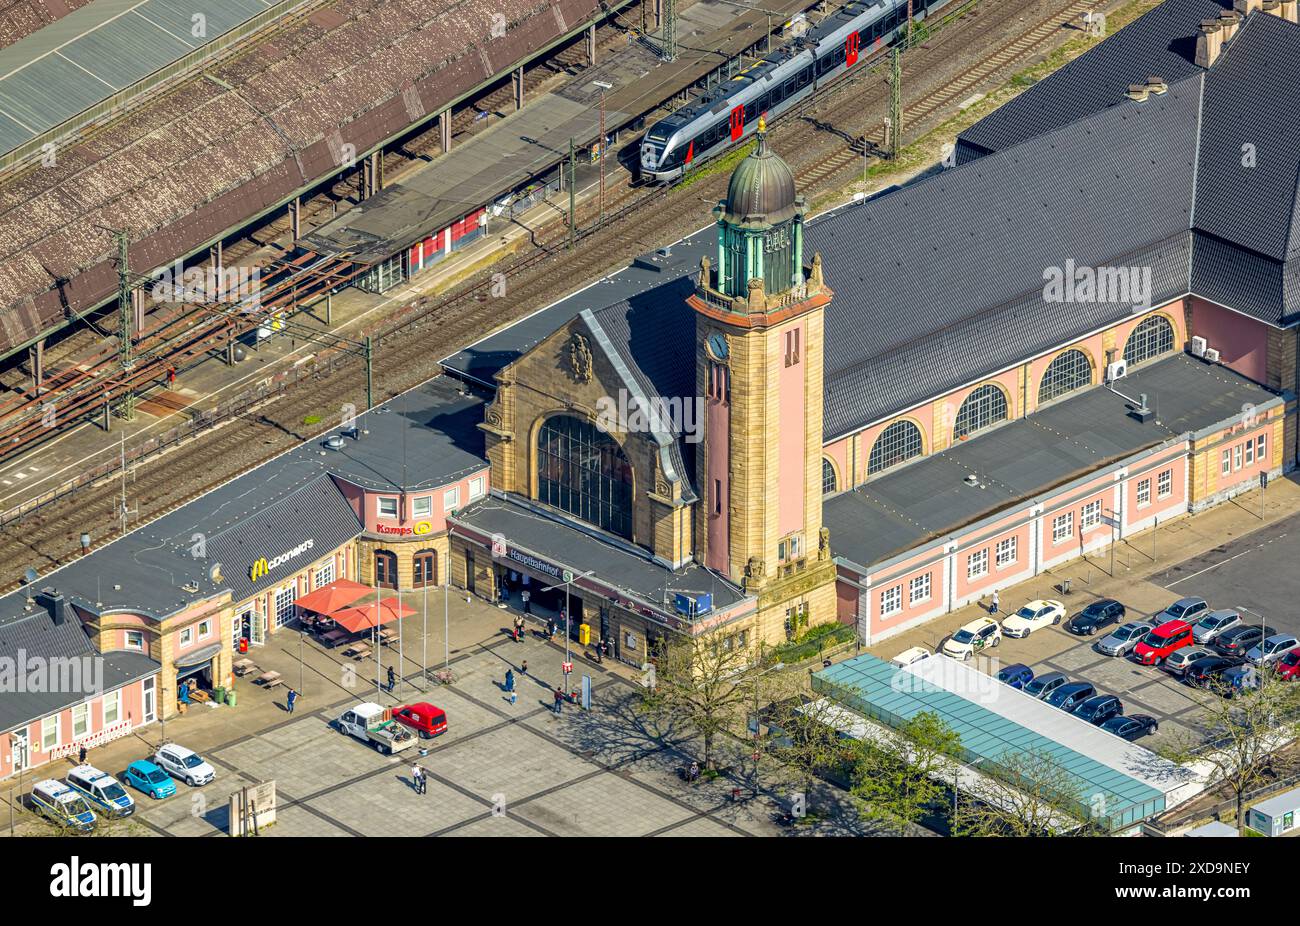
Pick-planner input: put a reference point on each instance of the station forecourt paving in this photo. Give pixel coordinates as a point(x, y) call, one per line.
point(500, 770)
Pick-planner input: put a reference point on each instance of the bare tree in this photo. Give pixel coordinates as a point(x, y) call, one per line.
point(805, 728)
point(1029, 793)
point(703, 682)
point(1246, 728)
point(901, 775)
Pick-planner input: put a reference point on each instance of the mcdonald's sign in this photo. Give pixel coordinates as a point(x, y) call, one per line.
point(262, 566)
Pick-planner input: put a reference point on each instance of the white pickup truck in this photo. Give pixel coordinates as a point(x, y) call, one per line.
point(371, 723)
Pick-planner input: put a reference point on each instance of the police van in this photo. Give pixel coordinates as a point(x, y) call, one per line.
point(64, 806)
point(101, 790)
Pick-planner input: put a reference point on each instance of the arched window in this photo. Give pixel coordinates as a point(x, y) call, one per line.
point(1070, 370)
point(898, 442)
point(425, 568)
point(386, 569)
point(1155, 336)
point(984, 407)
point(582, 470)
point(828, 477)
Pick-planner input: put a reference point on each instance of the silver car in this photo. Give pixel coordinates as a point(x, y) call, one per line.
point(1271, 649)
point(1179, 660)
point(1215, 623)
point(1121, 640)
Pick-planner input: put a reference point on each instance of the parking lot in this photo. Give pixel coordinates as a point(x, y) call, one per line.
point(1255, 570)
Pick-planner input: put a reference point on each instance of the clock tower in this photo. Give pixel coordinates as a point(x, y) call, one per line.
point(759, 333)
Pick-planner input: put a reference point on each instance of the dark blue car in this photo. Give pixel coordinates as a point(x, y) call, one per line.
point(1017, 675)
point(1070, 696)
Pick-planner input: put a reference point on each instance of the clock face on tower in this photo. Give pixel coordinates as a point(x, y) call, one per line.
point(717, 345)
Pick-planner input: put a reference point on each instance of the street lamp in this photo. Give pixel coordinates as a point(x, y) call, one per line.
point(568, 608)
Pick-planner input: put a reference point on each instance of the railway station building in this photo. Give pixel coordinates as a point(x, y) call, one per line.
point(872, 416)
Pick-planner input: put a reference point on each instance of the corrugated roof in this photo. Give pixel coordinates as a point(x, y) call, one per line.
point(1117, 781)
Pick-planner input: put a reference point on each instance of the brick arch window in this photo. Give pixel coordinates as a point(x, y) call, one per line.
point(582, 470)
point(828, 477)
point(386, 569)
point(1155, 336)
point(898, 442)
point(984, 407)
point(1070, 370)
point(424, 568)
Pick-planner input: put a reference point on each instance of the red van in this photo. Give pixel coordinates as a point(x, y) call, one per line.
point(423, 718)
point(1156, 646)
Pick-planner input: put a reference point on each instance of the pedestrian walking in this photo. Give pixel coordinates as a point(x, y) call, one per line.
point(291, 699)
point(510, 680)
point(171, 377)
point(559, 701)
point(527, 596)
point(392, 679)
point(993, 608)
point(81, 756)
point(523, 669)
point(417, 776)
point(513, 695)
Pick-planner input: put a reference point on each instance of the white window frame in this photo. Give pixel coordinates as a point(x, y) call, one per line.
point(476, 490)
point(1143, 492)
point(422, 506)
point(1227, 461)
point(1250, 453)
point(1062, 527)
point(1090, 515)
point(46, 745)
point(1236, 458)
point(1261, 448)
point(1165, 483)
point(112, 705)
point(187, 636)
point(451, 499)
point(380, 504)
point(81, 710)
point(977, 563)
point(324, 569)
point(891, 600)
point(283, 615)
point(1007, 552)
point(134, 639)
point(918, 588)
point(205, 628)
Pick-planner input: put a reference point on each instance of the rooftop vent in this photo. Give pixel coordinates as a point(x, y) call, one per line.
point(1143, 412)
point(1157, 85)
point(335, 442)
point(1138, 92)
point(972, 479)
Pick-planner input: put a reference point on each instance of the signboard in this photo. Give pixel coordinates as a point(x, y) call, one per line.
point(692, 605)
point(1109, 521)
point(252, 808)
point(498, 545)
point(586, 692)
point(262, 566)
point(533, 562)
point(419, 528)
point(1263, 480)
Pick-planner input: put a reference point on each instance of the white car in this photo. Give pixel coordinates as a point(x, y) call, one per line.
point(978, 634)
point(185, 764)
point(909, 656)
point(1036, 614)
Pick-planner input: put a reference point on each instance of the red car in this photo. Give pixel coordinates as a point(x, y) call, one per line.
point(423, 718)
point(1288, 667)
point(1156, 646)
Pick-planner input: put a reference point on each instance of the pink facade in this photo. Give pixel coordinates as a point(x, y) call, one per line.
point(99, 720)
point(1242, 341)
point(414, 513)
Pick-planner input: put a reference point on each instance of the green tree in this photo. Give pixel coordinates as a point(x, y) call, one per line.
point(1028, 793)
point(806, 736)
point(900, 776)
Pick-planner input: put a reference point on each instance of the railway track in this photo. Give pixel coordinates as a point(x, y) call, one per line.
point(48, 536)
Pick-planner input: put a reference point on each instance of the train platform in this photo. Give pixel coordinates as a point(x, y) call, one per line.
point(529, 143)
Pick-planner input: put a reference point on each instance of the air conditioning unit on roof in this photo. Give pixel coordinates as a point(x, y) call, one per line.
point(1211, 355)
point(1198, 346)
point(1116, 370)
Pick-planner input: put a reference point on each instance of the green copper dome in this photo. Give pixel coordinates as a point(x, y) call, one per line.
point(762, 190)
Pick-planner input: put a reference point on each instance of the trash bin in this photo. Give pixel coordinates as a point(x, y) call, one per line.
point(230, 697)
point(1065, 586)
point(219, 695)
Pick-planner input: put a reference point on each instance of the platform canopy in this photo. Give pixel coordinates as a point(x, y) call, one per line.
point(333, 597)
point(367, 616)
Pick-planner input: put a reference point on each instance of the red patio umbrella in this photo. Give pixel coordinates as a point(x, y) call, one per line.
point(329, 598)
point(366, 616)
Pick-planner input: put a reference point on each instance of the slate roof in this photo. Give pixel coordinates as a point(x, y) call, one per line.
point(275, 507)
point(1029, 456)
